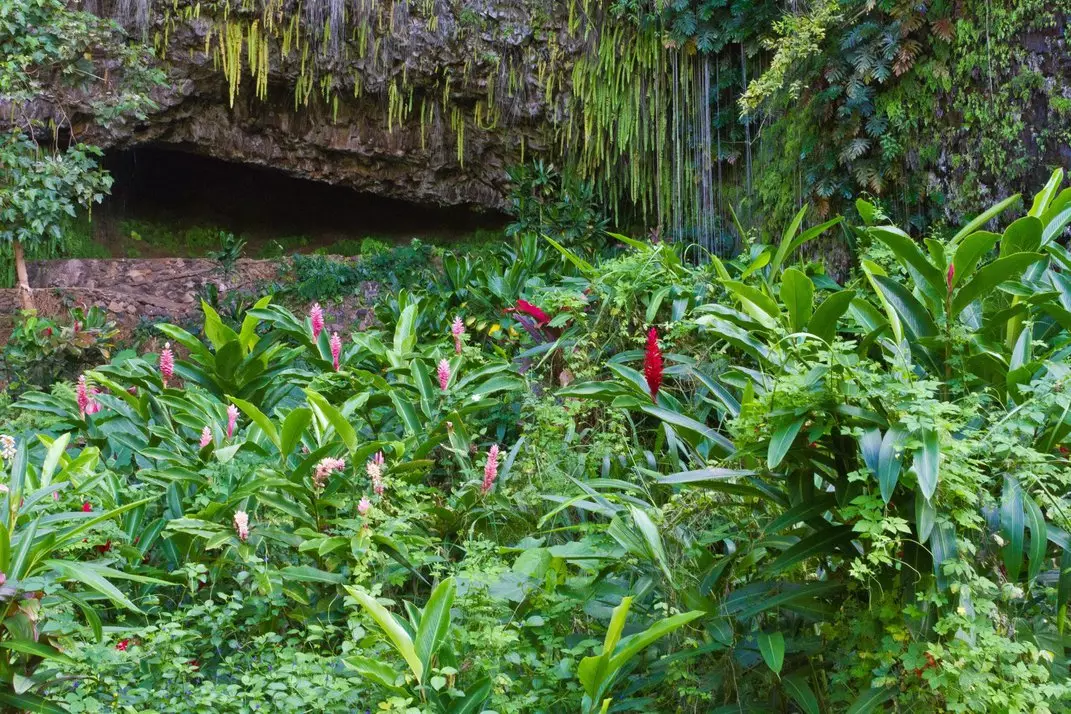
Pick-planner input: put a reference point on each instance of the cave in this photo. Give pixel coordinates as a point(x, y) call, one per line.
point(177, 191)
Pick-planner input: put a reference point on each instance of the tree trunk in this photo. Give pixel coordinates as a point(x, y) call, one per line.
point(25, 294)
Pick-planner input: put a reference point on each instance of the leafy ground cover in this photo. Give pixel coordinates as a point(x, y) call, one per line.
point(570, 479)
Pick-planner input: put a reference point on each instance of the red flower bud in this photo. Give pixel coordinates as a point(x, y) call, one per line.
point(652, 364)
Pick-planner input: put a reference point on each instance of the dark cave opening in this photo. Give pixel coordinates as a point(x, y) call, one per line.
point(179, 192)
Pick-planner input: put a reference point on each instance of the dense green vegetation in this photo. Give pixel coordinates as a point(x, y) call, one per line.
point(718, 467)
point(565, 479)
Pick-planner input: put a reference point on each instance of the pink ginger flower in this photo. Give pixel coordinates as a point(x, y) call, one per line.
point(206, 437)
point(83, 395)
point(364, 506)
point(86, 404)
point(167, 363)
point(232, 420)
point(324, 469)
point(316, 316)
point(950, 277)
point(490, 469)
point(458, 330)
point(241, 525)
point(336, 349)
point(444, 374)
point(375, 473)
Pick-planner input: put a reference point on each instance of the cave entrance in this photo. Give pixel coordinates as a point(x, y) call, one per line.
point(170, 203)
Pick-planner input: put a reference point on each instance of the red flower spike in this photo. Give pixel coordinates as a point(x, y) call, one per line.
point(87, 507)
point(532, 311)
point(950, 277)
point(123, 645)
point(652, 364)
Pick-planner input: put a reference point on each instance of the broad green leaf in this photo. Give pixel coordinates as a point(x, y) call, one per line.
point(217, 332)
point(824, 321)
point(633, 644)
point(293, 427)
point(873, 271)
point(799, 689)
point(690, 426)
point(333, 417)
point(259, 418)
point(475, 695)
point(405, 332)
point(1022, 236)
point(819, 544)
point(907, 252)
point(401, 640)
point(925, 517)
point(28, 702)
point(92, 579)
point(797, 292)
point(913, 315)
point(986, 279)
point(781, 441)
point(377, 671)
point(926, 463)
point(786, 240)
point(435, 622)
point(943, 547)
point(1012, 526)
point(1063, 592)
point(983, 218)
point(871, 699)
point(969, 252)
point(309, 574)
point(52, 458)
point(1039, 536)
point(890, 459)
point(37, 649)
point(755, 303)
point(653, 538)
point(248, 335)
point(772, 648)
point(1044, 197)
point(701, 475)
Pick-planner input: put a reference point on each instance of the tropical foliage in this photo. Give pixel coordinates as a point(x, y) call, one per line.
point(561, 479)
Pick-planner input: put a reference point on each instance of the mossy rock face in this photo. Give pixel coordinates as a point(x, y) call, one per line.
point(425, 100)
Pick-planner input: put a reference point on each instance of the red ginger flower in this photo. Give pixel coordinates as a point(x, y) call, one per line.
point(123, 644)
point(444, 374)
point(532, 311)
point(87, 507)
point(652, 364)
point(950, 277)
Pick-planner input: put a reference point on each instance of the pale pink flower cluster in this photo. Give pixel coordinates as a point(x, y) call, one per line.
point(364, 506)
point(444, 374)
point(490, 469)
point(375, 472)
point(458, 330)
point(7, 447)
point(232, 420)
point(324, 469)
point(316, 316)
point(206, 437)
point(241, 525)
point(86, 404)
point(167, 363)
point(336, 349)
